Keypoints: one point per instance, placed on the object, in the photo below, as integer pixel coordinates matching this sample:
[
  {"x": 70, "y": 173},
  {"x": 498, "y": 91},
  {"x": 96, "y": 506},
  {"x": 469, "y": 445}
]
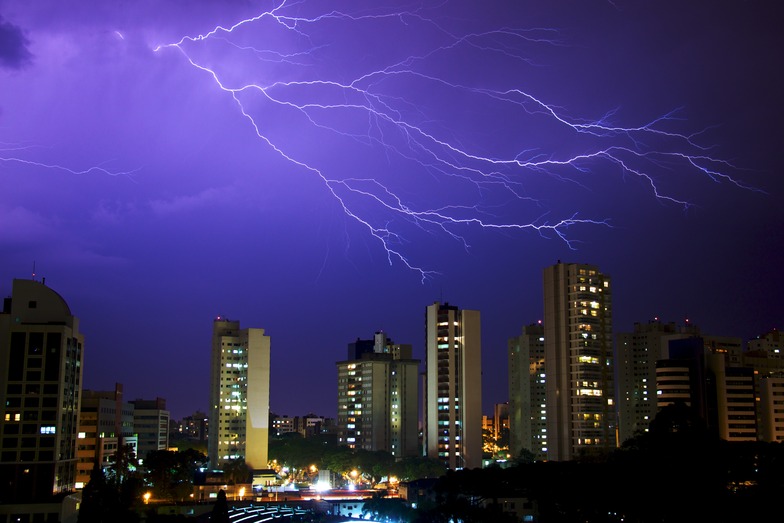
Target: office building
[
  {"x": 105, "y": 425},
  {"x": 635, "y": 363},
  {"x": 239, "y": 395},
  {"x": 453, "y": 393},
  {"x": 41, "y": 351},
  {"x": 771, "y": 425},
  {"x": 378, "y": 397},
  {"x": 699, "y": 373},
  {"x": 527, "y": 407},
  {"x": 151, "y": 425},
  {"x": 580, "y": 394}
]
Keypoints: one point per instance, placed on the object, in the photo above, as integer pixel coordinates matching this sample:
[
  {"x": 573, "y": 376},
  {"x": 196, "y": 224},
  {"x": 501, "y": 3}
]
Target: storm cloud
[{"x": 14, "y": 52}]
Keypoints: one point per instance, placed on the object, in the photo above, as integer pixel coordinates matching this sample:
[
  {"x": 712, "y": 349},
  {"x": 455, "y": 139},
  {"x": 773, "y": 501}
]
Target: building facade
[
  {"x": 635, "y": 363},
  {"x": 239, "y": 395},
  {"x": 527, "y": 407},
  {"x": 378, "y": 393},
  {"x": 580, "y": 393},
  {"x": 41, "y": 351},
  {"x": 453, "y": 394},
  {"x": 151, "y": 425},
  {"x": 105, "y": 424},
  {"x": 701, "y": 373}
]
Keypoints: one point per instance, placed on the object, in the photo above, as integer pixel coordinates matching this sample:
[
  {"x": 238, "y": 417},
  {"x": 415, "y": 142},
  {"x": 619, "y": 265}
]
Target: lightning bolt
[
  {"x": 93, "y": 169},
  {"x": 281, "y": 62}
]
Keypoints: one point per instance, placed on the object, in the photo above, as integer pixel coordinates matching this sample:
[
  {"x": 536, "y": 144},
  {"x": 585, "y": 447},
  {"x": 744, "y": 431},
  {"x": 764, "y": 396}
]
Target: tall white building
[
  {"x": 378, "y": 397},
  {"x": 579, "y": 357},
  {"x": 527, "y": 407},
  {"x": 40, "y": 391},
  {"x": 453, "y": 395},
  {"x": 239, "y": 395}
]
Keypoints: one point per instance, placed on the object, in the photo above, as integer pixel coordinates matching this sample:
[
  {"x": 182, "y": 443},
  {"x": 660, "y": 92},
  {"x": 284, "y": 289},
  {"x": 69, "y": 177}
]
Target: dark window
[
  {"x": 35, "y": 343},
  {"x": 52, "y": 364},
  {"x": 34, "y": 375},
  {"x": 16, "y": 357},
  {"x": 31, "y": 402},
  {"x": 29, "y": 443},
  {"x": 11, "y": 428},
  {"x": 15, "y": 388},
  {"x": 32, "y": 304}
]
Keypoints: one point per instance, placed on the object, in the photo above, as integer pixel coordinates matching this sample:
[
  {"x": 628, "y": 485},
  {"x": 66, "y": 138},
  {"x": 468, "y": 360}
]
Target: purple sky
[{"x": 327, "y": 174}]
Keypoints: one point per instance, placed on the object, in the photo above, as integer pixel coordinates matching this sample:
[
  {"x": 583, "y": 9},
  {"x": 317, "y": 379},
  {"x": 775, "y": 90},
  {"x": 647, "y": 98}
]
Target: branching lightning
[
  {"x": 285, "y": 62},
  {"x": 93, "y": 169}
]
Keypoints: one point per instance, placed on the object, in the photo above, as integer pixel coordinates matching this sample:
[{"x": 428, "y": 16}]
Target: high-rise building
[
  {"x": 453, "y": 394},
  {"x": 378, "y": 397},
  {"x": 40, "y": 385},
  {"x": 580, "y": 394},
  {"x": 635, "y": 364},
  {"x": 239, "y": 395},
  {"x": 771, "y": 425},
  {"x": 700, "y": 373},
  {"x": 151, "y": 425},
  {"x": 105, "y": 425},
  {"x": 527, "y": 408}
]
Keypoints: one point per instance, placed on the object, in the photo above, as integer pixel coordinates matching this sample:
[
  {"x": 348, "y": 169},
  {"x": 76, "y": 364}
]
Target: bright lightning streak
[
  {"x": 93, "y": 169},
  {"x": 284, "y": 62}
]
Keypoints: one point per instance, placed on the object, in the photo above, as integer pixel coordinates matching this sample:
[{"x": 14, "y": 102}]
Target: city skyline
[{"x": 134, "y": 184}]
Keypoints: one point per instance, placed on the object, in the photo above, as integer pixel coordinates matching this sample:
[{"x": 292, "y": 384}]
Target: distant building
[
  {"x": 698, "y": 372},
  {"x": 378, "y": 397},
  {"x": 527, "y": 407},
  {"x": 580, "y": 391},
  {"x": 635, "y": 364},
  {"x": 151, "y": 425},
  {"x": 771, "y": 344},
  {"x": 453, "y": 394},
  {"x": 105, "y": 424},
  {"x": 194, "y": 427},
  {"x": 771, "y": 427},
  {"x": 282, "y": 424},
  {"x": 41, "y": 350},
  {"x": 239, "y": 395}
]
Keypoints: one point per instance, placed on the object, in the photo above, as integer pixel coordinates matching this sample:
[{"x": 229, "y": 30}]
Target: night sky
[{"x": 326, "y": 170}]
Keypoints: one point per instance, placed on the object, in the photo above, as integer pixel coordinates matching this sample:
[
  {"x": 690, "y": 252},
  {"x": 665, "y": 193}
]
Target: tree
[
  {"x": 236, "y": 471},
  {"x": 220, "y": 510},
  {"x": 98, "y": 500},
  {"x": 171, "y": 473}
]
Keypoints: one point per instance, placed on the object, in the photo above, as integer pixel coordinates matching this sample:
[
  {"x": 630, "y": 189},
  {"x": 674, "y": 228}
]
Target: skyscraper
[
  {"x": 378, "y": 397},
  {"x": 239, "y": 395},
  {"x": 579, "y": 358},
  {"x": 40, "y": 384},
  {"x": 453, "y": 395},
  {"x": 527, "y": 408}
]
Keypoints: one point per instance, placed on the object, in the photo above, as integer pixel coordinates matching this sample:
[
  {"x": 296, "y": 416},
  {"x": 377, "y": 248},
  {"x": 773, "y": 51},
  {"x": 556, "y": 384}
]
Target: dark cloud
[{"x": 13, "y": 46}]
